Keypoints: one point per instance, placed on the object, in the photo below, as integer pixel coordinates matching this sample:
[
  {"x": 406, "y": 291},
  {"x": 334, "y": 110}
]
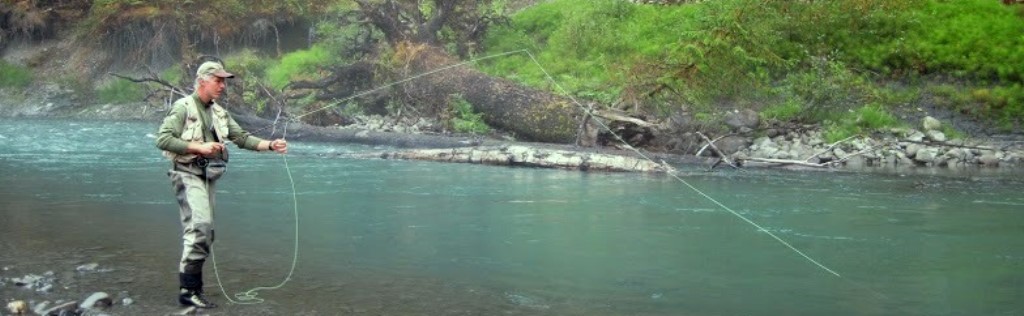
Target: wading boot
[
  {"x": 194, "y": 297},
  {"x": 191, "y": 292}
]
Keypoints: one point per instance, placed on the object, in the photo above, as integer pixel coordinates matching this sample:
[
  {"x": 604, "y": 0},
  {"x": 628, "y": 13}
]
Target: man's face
[{"x": 211, "y": 89}]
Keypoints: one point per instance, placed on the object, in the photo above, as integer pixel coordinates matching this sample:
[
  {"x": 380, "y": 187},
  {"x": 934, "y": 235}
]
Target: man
[{"x": 193, "y": 136}]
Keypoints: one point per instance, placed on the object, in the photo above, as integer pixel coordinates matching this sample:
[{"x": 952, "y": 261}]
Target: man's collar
[{"x": 200, "y": 101}]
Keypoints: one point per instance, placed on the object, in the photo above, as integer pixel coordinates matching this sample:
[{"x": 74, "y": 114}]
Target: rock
[
  {"x": 937, "y": 136},
  {"x": 40, "y": 283},
  {"x": 839, "y": 152},
  {"x": 62, "y": 309},
  {"x": 762, "y": 142},
  {"x": 989, "y": 159},
  {"x": 912, "y": 150},
  {"x": 731, "y": 144},
  {"x": 915, "y": 136},
  {"x": 17, "y": 307},
  {"x": 930, "y": 123},
  {"x": 927, "y": 155},
  {"x": 742, "y": 118},
  {"x": 87, "y": 267},
  {"x": 97, "y": 300},
  {"x": 856, "y": 162},
  {"x": 1015, "y": 157},
  {"x": 40, "y": 308}
]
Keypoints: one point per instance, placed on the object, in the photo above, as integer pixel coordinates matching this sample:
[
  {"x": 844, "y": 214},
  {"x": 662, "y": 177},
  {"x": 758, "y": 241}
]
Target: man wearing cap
[{"x": 193, "y": 137}]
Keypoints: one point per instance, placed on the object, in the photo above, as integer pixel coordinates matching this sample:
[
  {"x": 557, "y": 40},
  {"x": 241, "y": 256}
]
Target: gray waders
[{"x": 194, "y": 189}]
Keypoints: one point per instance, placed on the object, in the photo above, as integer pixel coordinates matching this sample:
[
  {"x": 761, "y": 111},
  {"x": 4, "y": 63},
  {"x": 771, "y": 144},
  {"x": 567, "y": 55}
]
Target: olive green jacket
[{"x": 188, "y": 121}]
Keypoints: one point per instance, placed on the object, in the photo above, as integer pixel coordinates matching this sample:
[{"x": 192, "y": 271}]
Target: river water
[{"x": 386, "y": 237}]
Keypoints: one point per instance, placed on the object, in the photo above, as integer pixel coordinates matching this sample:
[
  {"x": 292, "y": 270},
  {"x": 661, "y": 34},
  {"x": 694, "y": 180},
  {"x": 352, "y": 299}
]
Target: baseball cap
[{"x": 213, "y": 68}]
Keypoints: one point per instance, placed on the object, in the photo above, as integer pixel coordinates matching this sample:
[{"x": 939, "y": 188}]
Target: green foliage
[
  {"x": 789, "y": 110},
  {"x": 14, "y": 76},
  {"x": 968, "y": 38},
  {"x": 120, "y": 91},
  {"x": 814, "y": 59},
  {"x": 588, "y": 46},
  {"x": 465, "y": 120},
  {"x": 299, "y": 65},
  {"x": 951, "y": 132},
  {"x": 247, "y": 64},
  {"x": 825, "y": 89},
  {"x": 174, "y": 75},
  {"x": 1002, "y": 105},
  {"x": 866, "y": 119}
]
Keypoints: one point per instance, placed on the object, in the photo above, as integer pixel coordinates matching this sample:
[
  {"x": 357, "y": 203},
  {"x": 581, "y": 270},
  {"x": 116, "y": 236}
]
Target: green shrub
[
  {"x": 14, "y": 76},
  {"x": 120, "y": 91},
  {"x": 816, "y": 60},
  {"x": 464, "y": 119},
  {"x": 299, "y": 65},
  {"x": 588, "y": 46},
  {"x": 866, "y": 119},
  {"x": 785, "y": 111},
  {"x": 967, "y": 38},
  {"x": 874, "y": 117},
  {"x": 251, "y": 69},
  {"x": 951, "y": 132},
  {"x": 173, "y": 75}
]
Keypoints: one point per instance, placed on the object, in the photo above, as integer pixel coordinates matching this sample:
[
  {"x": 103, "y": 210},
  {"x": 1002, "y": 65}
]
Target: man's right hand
[{"x": 205, "y": 149}]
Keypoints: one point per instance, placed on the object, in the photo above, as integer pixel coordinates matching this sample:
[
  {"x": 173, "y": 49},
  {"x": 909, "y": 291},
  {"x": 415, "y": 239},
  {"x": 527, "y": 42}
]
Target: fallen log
[{"x": 526, "y": 156}]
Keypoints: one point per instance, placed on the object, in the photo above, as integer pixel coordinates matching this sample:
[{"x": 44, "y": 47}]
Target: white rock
[
  {"x": 930, "y": 123},
  {"x": 97, "y": 300},
  {"x": 936, "y": 136},
  {"x": 17, "y": 307},
  {"x": 927, "y": 155},
  {"x": 915, "y": 136}
]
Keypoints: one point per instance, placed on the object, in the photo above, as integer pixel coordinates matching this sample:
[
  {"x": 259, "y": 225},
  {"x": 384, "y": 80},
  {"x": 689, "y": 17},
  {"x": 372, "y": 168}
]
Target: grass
[
  {"x": 13, "y": 76},
  {"x": 119, "y": 91}
]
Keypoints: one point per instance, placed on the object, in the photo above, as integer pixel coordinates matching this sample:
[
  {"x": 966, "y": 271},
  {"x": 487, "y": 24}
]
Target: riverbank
[{"x": 901, "y": 150}]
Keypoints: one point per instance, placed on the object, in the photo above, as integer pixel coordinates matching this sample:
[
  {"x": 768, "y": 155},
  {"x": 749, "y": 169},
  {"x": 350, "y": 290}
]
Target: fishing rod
[{"x": 249, "y": 297}]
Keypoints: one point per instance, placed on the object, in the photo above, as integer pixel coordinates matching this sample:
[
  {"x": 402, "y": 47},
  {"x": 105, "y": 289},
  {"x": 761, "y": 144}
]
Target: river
[{"x": 387, "y": 237}]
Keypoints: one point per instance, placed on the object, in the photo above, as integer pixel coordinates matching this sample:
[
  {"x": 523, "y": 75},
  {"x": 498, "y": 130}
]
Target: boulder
[
  {"x": 989, "y": 159},
  {"x": 915, "y": 136},
  {"x": 930, "y": 123},
  {"x": 912, "y": 150},
  {"x": 927, "y": 155},
  {"x": 740, "y": 119},
  {"x": 936, "y": 136}
]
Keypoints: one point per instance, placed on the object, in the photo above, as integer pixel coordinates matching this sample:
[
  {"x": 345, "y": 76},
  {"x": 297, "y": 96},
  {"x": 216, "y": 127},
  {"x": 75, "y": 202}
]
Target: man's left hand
[{"x": 279, "y": 146}]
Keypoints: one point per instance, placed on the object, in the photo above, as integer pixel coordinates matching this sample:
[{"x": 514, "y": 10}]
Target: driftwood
[
  {"x": 721, "y": 155},
  {"x": 527, "y": 156}
]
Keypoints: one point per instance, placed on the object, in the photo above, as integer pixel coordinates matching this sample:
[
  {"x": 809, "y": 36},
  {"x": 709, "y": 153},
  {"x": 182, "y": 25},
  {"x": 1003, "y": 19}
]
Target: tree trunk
[{"x": 532, "y": 115}]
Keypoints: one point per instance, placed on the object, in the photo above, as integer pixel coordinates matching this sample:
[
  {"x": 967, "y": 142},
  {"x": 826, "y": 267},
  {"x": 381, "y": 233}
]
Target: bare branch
[{"x": 715, "y": 149}]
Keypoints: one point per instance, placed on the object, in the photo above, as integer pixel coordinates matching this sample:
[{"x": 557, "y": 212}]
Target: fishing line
[
  {"x": 698, "y": 191},
  {"x": 674, "y": 175},
  {"x": 249, "y": 297}
]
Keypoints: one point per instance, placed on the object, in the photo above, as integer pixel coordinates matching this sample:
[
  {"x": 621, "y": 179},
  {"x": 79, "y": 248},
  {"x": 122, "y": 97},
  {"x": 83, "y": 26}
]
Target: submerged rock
[{"x": 97, "y": 300}]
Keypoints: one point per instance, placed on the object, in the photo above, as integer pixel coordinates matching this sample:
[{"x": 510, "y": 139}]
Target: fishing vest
[{"x": 193, "y": 128}]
